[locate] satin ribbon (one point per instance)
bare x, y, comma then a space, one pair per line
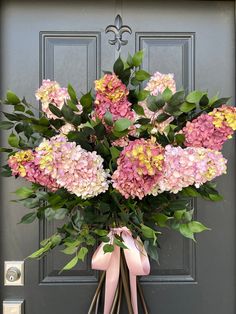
136, 259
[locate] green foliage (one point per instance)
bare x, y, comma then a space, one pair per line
57, 112
28, 218
12, 98
195, 96
122, 124
108, 118
108, 248
118, 66
6, 125
24, 192
137, 59
142, 75
84, 222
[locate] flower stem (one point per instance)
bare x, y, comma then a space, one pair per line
115, 300
140, 291
125, 283
97, 292
120, 296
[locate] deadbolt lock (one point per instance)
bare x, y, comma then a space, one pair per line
14, 273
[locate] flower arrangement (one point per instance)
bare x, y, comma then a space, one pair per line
118, 165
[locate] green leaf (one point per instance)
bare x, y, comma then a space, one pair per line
125, 76
67, 113
143, 121
56, 111
13, 140
24, 192
86, 100
180, 138
122, 124
11, 117
220, 102
56, 239
186, 231
195, 96
72, 93
151, 250
49, 213
72, 105
177, 99
216, 197
143, 94
137, 58
134, 82
152, 103
118, 66
12, 98
70, 250
5, 150
6, 125
28, 218
161, 219
138, 109
60, 213
179, 214
130, 60
101, 232
204, 101
100, 131
162, 117
186, 107
142, 75
108, 248
108, 118
213, 99
71, 264
19, 107
115, 153
105, 239
120, 243
82, 253
167, 94
196, 226
41, 251
191, 191
149, 233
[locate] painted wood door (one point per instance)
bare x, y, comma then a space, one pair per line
66, 41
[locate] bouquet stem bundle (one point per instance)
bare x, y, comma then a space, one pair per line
122, 288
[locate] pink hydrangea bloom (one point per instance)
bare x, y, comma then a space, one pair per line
203, 132
75, 169
156, 85
225, 115
121, 142
111, 95
139, 167
159, 82
24, 164
189, 166
51, 92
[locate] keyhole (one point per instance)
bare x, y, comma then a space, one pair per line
13, 274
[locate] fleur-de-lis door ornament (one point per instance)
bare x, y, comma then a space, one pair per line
118, 29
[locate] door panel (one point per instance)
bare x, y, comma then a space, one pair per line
67, 42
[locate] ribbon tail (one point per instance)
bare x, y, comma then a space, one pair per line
133, 290
112, 278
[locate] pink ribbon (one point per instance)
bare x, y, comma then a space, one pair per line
136, 259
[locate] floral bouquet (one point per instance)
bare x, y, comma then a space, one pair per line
118, 166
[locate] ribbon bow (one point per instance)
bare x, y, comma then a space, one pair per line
136, 259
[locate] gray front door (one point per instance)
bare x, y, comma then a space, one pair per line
66, 40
